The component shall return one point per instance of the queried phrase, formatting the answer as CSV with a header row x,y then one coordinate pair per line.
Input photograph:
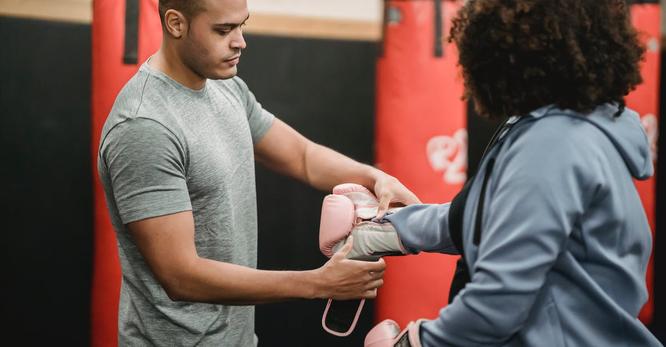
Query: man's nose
x,y
238,41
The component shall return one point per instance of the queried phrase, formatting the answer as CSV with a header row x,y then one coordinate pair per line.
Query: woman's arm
x,y
424,228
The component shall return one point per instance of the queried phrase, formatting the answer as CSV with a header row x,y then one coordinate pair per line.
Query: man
x,y
176,163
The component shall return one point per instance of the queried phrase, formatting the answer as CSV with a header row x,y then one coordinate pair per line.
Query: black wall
x,y
323,88
46,193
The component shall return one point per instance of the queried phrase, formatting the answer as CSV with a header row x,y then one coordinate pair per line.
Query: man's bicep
x,y
167,245
282,149
144,164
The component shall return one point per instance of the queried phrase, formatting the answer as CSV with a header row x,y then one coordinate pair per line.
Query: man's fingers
x,y
370,294
406,197
375,284
411,199
383,206
376,275
375,266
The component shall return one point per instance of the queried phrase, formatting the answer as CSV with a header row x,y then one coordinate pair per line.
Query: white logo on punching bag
x,y
652,45
651,126
449,154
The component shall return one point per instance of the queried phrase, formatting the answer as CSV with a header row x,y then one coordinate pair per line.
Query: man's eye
x,y
223,32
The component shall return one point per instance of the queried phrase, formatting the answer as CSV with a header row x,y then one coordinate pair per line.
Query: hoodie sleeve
x,y
424,228
532,206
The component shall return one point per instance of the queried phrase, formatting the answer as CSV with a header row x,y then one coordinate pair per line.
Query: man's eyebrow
x,y
231,25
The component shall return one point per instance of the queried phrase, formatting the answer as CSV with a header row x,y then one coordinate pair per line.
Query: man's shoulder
x,y
139,98
233,86
129,120
131,92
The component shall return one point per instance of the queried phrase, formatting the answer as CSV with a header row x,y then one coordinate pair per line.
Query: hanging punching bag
x,y
124,33
421,139
645,100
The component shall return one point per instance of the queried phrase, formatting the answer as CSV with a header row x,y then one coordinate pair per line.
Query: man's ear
x,y
175,23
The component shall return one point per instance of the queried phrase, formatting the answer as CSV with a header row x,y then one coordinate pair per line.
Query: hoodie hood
x,y
625,132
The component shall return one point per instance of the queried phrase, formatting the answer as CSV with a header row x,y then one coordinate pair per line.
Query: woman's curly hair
x,y
519,55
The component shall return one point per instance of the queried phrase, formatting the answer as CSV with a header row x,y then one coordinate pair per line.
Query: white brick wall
x,y
356,10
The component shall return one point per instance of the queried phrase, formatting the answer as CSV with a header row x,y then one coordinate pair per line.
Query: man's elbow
x,y
177,285
176,293
174,289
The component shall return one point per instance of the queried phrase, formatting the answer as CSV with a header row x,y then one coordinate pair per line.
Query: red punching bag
x,y
124,33
421,139
645,101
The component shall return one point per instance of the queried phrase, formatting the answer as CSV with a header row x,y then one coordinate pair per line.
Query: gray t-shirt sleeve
x,y
259,119
146,166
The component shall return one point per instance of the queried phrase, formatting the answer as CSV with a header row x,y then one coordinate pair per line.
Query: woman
x,y
553,232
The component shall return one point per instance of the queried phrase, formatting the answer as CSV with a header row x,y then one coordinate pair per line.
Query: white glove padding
x,y
366,204
373,240
388,334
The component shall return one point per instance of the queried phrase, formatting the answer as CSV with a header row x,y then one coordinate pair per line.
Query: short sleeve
x,y
259,119
145,164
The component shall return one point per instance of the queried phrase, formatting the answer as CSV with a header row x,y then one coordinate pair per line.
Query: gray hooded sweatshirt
x,y
565,240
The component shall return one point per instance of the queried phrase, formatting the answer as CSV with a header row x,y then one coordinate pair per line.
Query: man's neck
x,y
168,63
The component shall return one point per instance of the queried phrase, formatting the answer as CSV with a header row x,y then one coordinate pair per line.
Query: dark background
x,y
323,88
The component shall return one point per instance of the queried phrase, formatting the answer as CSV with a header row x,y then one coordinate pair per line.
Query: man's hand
x,y
352,210
390,191
344,279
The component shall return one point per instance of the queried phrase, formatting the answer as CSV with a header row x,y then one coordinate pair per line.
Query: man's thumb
x,y
383,207
346,248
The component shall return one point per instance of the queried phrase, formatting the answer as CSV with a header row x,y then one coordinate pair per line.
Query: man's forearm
x,y
167,245
229,284
325,168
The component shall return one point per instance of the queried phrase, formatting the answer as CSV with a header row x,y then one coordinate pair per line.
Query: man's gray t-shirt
x,y
164,149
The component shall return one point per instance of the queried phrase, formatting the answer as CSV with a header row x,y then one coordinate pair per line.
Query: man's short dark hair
x,y
519,55
188,8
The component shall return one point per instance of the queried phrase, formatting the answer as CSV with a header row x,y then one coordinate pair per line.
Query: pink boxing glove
x,y
365,202
388,334
350,211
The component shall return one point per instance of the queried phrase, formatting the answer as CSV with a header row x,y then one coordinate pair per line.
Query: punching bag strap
x,y
385,23
130,56
439,29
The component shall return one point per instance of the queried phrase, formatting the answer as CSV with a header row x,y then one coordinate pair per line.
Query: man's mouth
x,y
234,58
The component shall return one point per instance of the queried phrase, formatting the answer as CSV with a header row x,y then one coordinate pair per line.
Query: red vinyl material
x,y
421,138
645,101
108,77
